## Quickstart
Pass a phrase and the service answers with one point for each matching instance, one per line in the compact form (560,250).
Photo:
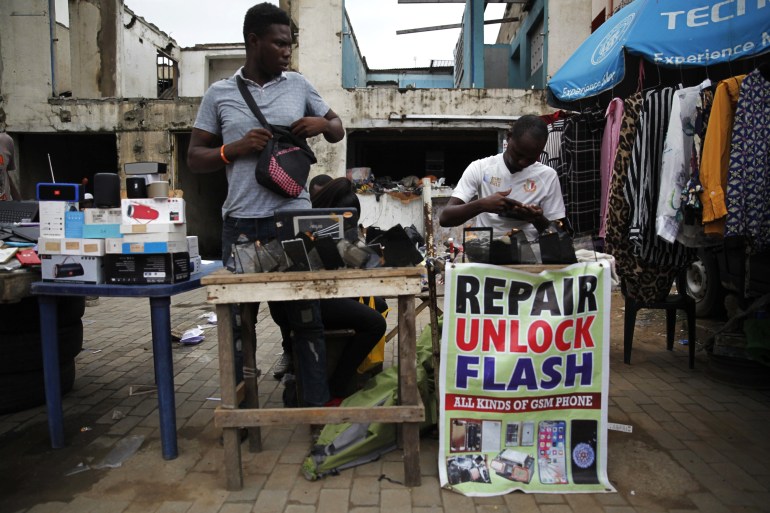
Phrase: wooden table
(225,288)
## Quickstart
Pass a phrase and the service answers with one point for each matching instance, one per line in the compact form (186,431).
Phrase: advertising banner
(524,380)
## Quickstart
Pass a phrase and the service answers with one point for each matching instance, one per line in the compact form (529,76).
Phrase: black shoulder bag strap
(244,89)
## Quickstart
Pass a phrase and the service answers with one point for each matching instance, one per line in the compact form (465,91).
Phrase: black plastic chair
(672,303)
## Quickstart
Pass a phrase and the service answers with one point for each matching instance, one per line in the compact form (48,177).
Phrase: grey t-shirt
(224,112)
(6,164)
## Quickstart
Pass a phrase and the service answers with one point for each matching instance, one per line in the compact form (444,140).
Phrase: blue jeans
(304,317)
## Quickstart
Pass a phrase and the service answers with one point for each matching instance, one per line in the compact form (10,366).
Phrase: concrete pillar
(94,47)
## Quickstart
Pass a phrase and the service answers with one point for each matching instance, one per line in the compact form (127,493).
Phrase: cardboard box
(192,246)
(154,228)
(70,246)
(196,264)
(52,217)
(72,268)
(73,225)
(147,243)
(102,216)
(101,231)
(144,211)
(146,269)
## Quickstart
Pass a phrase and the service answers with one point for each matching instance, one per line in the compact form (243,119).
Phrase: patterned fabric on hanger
(581,158)
(677,155)
(643,185)
(748,179)
(640,279)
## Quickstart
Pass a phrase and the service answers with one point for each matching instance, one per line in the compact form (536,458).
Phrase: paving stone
(429,494)
(271,501)
(365,492)
(174,507)
(235,508)
(396,500)
(305,492)
(333,501)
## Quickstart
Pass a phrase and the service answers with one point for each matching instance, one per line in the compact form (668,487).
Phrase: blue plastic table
(160,316)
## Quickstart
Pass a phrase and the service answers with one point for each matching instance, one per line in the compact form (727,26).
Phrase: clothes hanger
(655,86)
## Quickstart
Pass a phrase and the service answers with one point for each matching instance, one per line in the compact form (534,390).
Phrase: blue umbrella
(681,34)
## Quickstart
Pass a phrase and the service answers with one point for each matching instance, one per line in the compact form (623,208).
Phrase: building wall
(63,60)
(569,24)
(407,79)
(25,76)
(521,75)
(94,47)
(353,67)
(202,65)
(496,62)
(139,42)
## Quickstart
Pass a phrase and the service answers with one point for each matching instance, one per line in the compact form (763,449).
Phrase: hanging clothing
(581,157)
(715,157)
(748,179)
(691,233)
(614,117)
(554,116)
(640,280)
(643,185)
(675,164)
(551,155)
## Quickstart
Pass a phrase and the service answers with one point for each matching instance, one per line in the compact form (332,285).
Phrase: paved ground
(697,445)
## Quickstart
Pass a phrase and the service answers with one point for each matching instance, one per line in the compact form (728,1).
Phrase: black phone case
(583,451)
(327,250)
(297,254)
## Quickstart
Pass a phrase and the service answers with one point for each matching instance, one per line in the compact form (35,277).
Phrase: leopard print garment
(641,280)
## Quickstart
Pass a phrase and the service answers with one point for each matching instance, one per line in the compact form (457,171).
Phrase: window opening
(168,72)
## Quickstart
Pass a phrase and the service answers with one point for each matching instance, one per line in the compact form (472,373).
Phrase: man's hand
(497,203)
(254,141)
(309,126)
(518,210)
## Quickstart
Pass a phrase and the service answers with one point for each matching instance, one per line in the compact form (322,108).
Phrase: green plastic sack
(341,446)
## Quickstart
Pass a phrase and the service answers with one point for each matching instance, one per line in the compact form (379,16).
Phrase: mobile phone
(512,432)
(552,451)
(527,433)
(296,254)
(583,451)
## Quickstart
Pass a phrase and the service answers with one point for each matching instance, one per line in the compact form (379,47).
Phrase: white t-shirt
(537,184)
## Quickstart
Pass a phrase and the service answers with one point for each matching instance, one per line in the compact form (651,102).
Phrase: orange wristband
(222,154)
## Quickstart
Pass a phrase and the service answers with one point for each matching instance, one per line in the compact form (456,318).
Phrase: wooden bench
(225,288)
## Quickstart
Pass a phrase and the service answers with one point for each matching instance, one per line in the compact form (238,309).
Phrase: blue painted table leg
(49,337)
(160,312)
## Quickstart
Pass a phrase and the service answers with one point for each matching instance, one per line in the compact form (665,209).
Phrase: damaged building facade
(92,88)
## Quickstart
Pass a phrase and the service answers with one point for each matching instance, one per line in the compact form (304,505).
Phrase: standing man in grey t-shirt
(226,133)
(8,190)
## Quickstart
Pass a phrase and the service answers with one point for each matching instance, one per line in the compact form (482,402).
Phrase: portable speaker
(106,190)
(136,187)
(59,192)
(142,212)
(67,270)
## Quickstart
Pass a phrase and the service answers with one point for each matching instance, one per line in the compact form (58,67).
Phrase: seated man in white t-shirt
(511,189)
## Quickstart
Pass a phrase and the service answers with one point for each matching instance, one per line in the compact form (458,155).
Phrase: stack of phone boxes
(66,254)
(151,245)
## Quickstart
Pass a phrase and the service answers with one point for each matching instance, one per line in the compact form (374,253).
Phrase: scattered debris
(141,389)
(612,426)
(123,450)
